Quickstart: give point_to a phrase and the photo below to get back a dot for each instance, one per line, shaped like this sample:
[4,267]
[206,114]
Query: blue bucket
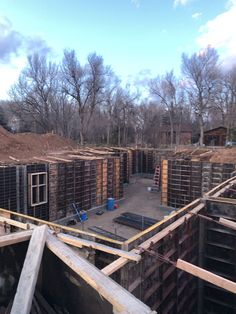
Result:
[83,216]
[110,203]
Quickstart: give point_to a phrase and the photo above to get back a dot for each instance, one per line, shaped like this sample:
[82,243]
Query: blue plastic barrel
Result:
[83,216]
[110,203]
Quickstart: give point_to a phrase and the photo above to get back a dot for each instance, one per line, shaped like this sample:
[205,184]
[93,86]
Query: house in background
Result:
[185,135]
[215,137]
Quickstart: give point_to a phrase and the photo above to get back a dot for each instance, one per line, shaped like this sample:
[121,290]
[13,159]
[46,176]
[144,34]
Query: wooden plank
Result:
[25,290]
[120,262]
[219,189]
[58,226]
[45,160]
[14,223]
[121,299]
[228,223]
[223,200]
[78,242]
[15,237]
[60,159]
[3,230]
[207,276]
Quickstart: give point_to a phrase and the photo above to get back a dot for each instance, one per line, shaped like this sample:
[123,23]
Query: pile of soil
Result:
[25,146]
[216,155]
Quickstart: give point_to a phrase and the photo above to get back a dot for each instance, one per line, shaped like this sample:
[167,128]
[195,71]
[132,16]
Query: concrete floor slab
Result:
[137,200]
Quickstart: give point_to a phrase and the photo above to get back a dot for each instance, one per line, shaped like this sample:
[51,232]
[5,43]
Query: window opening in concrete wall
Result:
[38,188]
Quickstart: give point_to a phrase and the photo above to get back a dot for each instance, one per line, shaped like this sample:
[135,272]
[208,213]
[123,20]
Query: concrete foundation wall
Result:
[184,180]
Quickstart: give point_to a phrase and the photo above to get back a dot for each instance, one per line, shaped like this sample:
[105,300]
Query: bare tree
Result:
[228,103]
[165,90]
[35,92]
[84,86]
[201,73]
[110,101]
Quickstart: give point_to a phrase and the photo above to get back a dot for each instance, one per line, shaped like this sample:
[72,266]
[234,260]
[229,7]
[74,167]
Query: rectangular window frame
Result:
[37,186]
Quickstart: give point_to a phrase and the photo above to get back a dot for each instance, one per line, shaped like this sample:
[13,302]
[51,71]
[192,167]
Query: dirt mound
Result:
[226,155]
[27,145]
[216,155]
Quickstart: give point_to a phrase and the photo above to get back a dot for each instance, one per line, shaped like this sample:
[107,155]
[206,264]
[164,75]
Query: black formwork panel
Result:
[134,161]
[39,211]
[219,254]
[110,177]
[70,190]
[121,187]
[8,194]
[125,167]
[61,188]
[78,181]
[144,162]
[150,162]
[93,181]
[86,202]
[184,182]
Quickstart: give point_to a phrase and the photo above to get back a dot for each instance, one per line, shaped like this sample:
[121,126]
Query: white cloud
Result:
[181,2]
[9,75]
[220,32]
[14,48]
[136,3]
[196,15]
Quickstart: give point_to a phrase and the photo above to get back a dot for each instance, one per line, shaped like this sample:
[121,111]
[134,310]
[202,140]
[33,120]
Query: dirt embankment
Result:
[216,155]
[25,146]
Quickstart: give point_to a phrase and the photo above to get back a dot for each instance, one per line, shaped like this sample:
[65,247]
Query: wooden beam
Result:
[223,200]
[78,242]
[207,276]
[120,262]
[60,159]
[15,237]
[228,223]
[25,290]
[221,188]
[117,264]
[121,300]
[45,160]
[14,223]
[53,225]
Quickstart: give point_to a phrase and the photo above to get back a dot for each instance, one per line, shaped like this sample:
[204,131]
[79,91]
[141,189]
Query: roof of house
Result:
[218,128]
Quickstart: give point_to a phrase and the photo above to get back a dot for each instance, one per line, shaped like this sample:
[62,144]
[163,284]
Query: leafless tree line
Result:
[87,102]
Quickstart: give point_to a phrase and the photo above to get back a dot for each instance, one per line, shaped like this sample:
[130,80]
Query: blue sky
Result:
[138,39]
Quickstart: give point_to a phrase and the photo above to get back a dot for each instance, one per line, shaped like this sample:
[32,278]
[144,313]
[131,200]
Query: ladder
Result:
[157,176]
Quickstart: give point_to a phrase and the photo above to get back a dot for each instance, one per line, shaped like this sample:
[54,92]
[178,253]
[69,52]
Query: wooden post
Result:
[25,290]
